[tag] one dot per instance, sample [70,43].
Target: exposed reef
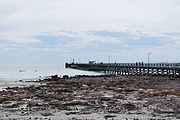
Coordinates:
[94,97]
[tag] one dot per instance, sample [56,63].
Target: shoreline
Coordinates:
[94,97]
[16,82]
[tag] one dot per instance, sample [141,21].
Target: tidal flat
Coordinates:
[102,97]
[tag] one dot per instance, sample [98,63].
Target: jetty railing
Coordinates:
[164,69]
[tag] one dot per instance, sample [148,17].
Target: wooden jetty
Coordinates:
[156,69]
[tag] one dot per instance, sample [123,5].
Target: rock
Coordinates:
[129,106]
[46,114]
[73,103]
[95,94]
[65,77]
[2,99]
[70,113]
[109,116]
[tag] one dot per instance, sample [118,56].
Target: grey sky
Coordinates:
[66,26]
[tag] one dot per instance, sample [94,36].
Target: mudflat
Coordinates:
[94,97]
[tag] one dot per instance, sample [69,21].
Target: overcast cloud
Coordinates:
[59,30]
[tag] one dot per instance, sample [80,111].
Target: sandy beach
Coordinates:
[94,98]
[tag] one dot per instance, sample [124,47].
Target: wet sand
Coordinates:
[94,97]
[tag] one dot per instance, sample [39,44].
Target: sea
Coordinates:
[12,74]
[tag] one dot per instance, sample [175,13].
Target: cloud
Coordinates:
[5,47]
[98,41]
[89,28]
[172,33]
[147,40]
[113,34]
[62,44]
[40,15]
[135,38]
[50,40]
[17,39]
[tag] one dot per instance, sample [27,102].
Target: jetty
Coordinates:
[138,68]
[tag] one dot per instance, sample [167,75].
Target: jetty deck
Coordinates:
[156,69]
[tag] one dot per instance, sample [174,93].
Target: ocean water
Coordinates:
[36,70]
[10,74]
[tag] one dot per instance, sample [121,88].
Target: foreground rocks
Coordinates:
[94,97]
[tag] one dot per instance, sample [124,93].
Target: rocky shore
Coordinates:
[94,97]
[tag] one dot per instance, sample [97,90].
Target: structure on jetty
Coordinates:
[163,69]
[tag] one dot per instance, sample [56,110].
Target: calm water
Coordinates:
[36,70]
[10,74]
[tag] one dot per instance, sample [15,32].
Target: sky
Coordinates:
[53,31]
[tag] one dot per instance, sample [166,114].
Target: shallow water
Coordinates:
[10,74]
[36,70]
